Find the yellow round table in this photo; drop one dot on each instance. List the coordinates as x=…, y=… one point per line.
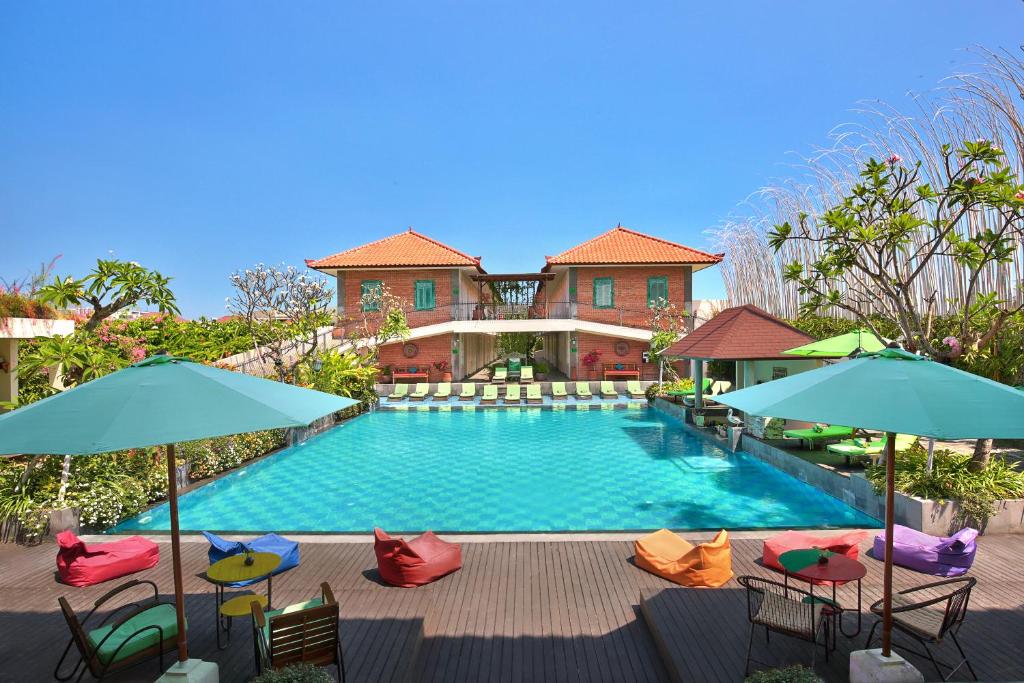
x=241, y=605
x=231, y=570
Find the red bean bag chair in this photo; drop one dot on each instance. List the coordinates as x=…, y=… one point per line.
x=843, y=544
x=85, y=565
x=416, y=562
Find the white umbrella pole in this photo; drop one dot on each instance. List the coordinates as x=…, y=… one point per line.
x=890, y=500
x=179, y=589
x=931, y=456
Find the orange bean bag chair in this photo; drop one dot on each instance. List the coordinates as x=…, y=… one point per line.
x=412, y=563
x=843, y=544
x=666, y=554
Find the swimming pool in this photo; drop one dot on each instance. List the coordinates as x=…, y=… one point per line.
x=504, y=470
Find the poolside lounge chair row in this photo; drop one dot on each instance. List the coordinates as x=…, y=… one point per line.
x=500, y=375
x=513, y=392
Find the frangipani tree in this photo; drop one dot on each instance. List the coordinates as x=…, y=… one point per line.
x=871, y=249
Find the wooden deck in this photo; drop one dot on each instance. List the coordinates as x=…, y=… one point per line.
x=520, y=611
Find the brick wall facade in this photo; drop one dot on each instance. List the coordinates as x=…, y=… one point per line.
x=585, y=343
x=630, y=292
x=429, y=351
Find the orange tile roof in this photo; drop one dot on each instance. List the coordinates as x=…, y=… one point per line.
x=622, y=245
x=741, y=333
x=407, y=249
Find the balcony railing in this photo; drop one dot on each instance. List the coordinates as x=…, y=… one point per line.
x=540, y=310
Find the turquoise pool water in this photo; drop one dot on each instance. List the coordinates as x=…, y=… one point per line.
x=505, y=470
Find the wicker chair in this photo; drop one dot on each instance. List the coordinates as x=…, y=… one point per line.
x=929, y=617
x=783, y=609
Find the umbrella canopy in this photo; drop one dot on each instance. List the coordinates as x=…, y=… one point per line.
x=160, y=400
x=893, y=391
x=157, y=401
x=858, y=341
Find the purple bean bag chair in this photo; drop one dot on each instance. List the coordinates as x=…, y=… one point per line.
x=916, y=550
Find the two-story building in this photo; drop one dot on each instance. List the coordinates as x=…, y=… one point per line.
x=594, y=297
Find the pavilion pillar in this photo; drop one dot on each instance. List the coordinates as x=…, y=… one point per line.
x=9, y=373
x=698, y=383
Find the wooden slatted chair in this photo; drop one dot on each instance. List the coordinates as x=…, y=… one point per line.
x=142, y=630
x=306, y=632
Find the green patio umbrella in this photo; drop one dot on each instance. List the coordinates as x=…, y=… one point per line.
x=840, y=346
x=162, y=400
x=892, y=391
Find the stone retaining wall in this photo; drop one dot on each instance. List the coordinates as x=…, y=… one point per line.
x=939, y=518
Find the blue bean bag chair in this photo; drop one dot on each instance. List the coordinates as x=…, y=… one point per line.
x=271, y=543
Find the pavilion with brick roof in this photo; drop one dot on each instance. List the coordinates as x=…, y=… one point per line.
x=751, y=338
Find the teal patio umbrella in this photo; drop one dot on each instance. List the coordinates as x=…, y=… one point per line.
x=891, y=391
x=162, y=400
x=840, y=346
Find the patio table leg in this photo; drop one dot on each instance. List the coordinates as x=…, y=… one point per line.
x=859, y=617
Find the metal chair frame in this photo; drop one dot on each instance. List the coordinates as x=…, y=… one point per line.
x=756, y=588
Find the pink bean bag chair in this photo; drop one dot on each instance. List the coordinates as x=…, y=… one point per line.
x=412, y=563
x=85, y=565
x=843, y=544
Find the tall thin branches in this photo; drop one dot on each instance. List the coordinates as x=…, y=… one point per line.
x=985, y=103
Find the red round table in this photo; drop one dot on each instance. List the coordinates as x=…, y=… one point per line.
x=805, y=565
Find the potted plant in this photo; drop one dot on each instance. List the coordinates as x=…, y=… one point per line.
x=590, y=360
x=385, y=374
x=445, y=369
x=541, y=368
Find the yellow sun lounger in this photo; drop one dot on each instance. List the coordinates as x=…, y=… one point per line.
x=513, y=394
x=608, y=389
x=468, y=391
x=421, y=392
x=444, y=391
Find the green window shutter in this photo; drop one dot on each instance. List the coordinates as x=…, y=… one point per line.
x=423, y=295
x=369, y=288
x=657, y=292
x=604, y=292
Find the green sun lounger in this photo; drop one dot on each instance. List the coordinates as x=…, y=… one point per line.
x=526, y=374
x=444, y=391
x=533, y=394
x=468, y=391
x=583, y=391
x=812, y=435
x=500, y=374
x=634, y=390
x=558, y=391
x=853, y=448
x=513, y=394
x=608, y=389
x=421, y=392
x=490, y=394
x=400, y=392
x=692, y=390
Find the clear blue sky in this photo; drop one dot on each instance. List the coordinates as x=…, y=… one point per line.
x=198, y=137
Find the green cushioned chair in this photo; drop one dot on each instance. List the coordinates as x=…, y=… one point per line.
x=608, y=389
x=400, y=392
x=513, y=394
x=558, y=392
x=634, y=390
x=500, y=374
x=306, y=632
x=813, y=435
x=526, y=374
x=421, y=392
x=468, y=392
x=130, y=634
x=583, y=391
x=490, y=394
x=533, y=394
x=444, y=391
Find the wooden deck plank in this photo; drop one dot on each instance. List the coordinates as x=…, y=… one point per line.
x=523, y=611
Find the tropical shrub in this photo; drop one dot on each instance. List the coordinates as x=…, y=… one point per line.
x=208, y=457
x=790, y=674
x=681, y=384
x=15, y=305
x=952, y=478
x=296, y=673
x=346, y=374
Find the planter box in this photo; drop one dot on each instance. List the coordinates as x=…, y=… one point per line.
x=68, y=519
